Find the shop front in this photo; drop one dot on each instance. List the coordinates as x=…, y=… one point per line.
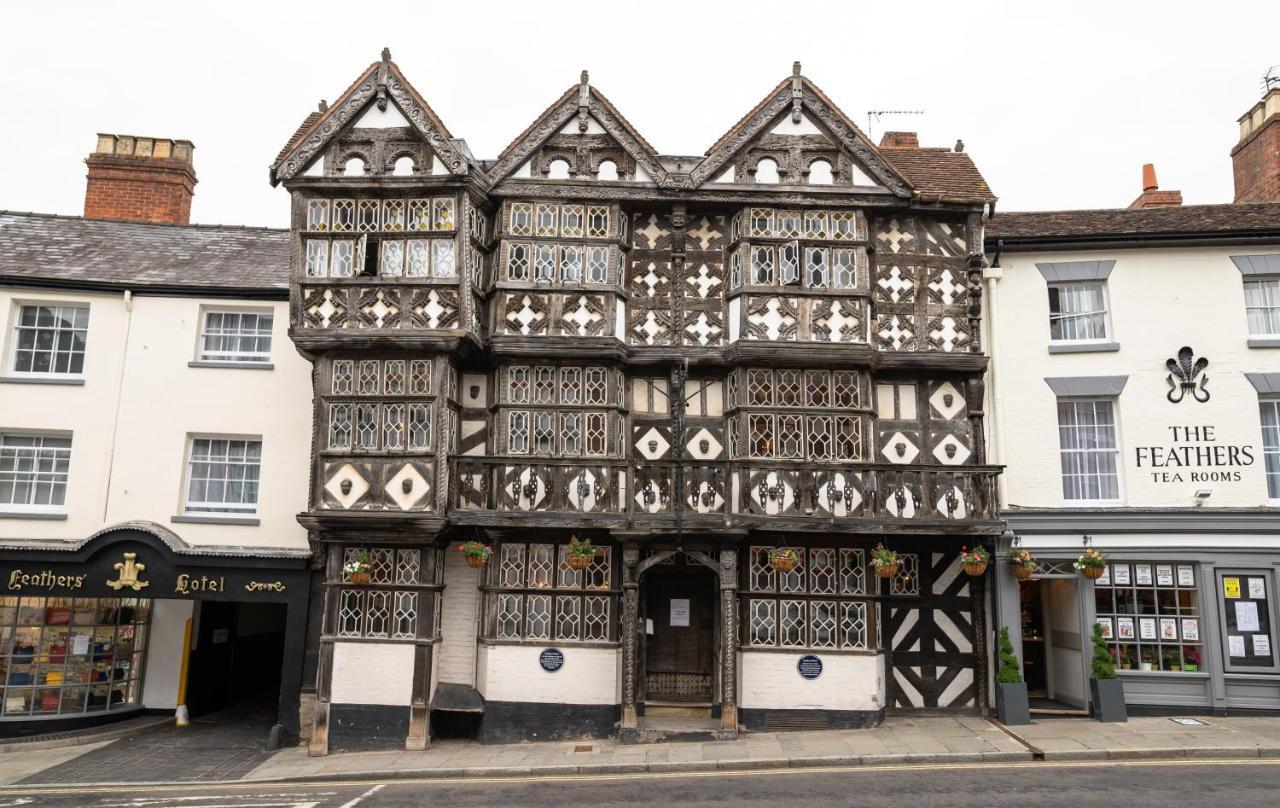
x=134, y=620
x=1189, y=620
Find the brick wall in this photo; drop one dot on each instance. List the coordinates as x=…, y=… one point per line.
x=1255, y=164
x=140, y=180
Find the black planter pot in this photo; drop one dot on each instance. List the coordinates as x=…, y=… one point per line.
x=1107, y=703
x=1012, y=707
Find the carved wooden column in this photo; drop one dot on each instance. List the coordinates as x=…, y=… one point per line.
x=630, y=627
x=980, y=637
x=729, y=639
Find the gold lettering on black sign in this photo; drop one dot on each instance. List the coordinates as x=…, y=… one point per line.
x=263, y=586
x=190, y=584
x=44, y=579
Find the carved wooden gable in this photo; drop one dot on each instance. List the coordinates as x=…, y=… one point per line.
x=379, y=121
x=796, y=136
x=580, y=137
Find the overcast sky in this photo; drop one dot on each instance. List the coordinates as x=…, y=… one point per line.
x=1059, y=109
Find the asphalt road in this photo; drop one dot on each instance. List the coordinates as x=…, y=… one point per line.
x=1034, y=785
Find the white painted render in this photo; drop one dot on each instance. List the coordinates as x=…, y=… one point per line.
x=512, y=673
x=140, y=402
x=164, y=653
x=1159, y=300
x=806, y=126
x=389, y=118
x=455, y=655
x=770, y=680
x=372, y=673
x=571, y=128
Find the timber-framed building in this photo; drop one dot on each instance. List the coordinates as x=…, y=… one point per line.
x=687, y=360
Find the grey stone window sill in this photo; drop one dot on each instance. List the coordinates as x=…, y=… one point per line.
x=1083, y=347
x=201, y=519
x=204, y=363
x=31, y=515
x=1264, y=342
x=72, y=380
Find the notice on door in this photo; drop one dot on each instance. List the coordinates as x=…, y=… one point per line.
x=679, y=611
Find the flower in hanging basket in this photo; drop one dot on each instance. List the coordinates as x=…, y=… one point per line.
x=475, y=553
x=581, y=553
x=784, y=559
x=886, y=561
x=974, y=561
x=1091, y=563
x=1022, y=563
x=358, y=569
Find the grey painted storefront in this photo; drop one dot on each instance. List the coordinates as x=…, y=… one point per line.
x=1131, y=537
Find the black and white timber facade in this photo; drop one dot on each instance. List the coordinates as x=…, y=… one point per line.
x=688, y=361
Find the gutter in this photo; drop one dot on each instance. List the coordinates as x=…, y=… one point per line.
x=156, y=290
x=1131, y=240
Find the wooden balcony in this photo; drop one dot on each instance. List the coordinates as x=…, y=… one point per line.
x=866, y=497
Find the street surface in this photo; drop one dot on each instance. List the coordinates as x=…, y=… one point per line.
x=1238, y=784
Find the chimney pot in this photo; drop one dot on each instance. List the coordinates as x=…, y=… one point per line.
x=1152, y=196
x=1149, y=177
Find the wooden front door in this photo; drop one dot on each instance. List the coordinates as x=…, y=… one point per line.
x=680, y=653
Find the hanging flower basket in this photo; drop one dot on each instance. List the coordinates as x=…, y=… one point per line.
x=358, y=570
x=886, y=561
x=974, y=561
x=581, y=554
x=1022, y=563
x=1022, y=573
x=475, y=553
x=1091, y=564
x=784, y=559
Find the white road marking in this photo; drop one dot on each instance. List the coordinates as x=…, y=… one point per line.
x=354, y=802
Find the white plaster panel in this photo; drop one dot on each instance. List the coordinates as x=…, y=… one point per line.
x=770, y=680
x=641, y=175
x=459, y=621
x=1152, y=541
x=164, y=653
x=372, y=673
x=806, y=126
x=1159, y=300
x=512, y=673
x=389, y=118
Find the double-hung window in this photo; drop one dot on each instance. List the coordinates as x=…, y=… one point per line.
x=1078, y=312
x=1262, y=306
x=49, y=340
x=33, y=472
x=1089, y=449
x=223, y=475
x=1271, y=444
x=235, y=336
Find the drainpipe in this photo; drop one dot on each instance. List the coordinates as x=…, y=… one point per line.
x=115, y=412
x=995, y=417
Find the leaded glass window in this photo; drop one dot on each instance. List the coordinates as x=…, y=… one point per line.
x=539, y=597
x=818, y=604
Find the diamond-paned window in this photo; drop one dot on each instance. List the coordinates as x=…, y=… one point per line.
x=817, y=607
x=539, y=597
x=343, y=377
x=339, y=426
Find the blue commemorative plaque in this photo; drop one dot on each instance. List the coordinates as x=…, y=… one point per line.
x=552, y=660
x=810, y=666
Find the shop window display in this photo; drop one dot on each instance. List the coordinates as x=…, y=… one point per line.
x=1150, y=615
x=71, y=656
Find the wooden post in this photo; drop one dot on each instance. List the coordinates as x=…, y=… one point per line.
x=629, y=628
x=729, y=638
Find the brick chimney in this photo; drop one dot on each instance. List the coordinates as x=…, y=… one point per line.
x=1152, y=196
x=140, y=179
x=1255, y=161
x=899, y=140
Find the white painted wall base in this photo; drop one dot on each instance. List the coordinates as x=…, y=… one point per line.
x=372, y=673
x=512, y=673
x=769, y=680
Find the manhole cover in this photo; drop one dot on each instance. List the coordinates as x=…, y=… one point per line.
x=1189, y=722
x=581, y=748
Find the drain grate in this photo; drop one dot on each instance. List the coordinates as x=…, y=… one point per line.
x=795, y=723
x=1189, y=722
x=583, y=748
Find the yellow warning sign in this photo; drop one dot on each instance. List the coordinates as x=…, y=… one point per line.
x=1231, y=587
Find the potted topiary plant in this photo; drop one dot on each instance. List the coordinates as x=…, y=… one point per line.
x=475, y=553
x=1012, y=705
x=581, y=553
x=359, y=569
x=886, y=561
x=974, y=561
x=1022, y=563
x=784, y=559
x=1091, y=564
x=1107, y=692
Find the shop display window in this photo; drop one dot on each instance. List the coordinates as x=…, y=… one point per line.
x=71, y=656
x=1150, y=614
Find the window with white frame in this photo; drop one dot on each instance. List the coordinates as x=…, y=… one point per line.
x=223, y=475
x=402, y=583
x=536, y=595
x=33, y=471
x=1089, y=449
x=235, y=336
x=820, y=603
x=1078, y=312
x=1271, y=444
x=1262, y=306
x=49, y=339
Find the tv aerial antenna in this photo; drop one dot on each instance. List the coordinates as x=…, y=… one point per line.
x=874, y=116
x=1271, y=78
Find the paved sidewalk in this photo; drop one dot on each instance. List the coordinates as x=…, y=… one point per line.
x=1150, y=737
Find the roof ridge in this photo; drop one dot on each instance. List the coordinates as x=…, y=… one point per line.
x=1162, y=208
x=199, y=225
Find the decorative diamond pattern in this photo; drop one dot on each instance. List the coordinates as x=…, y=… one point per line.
x=900, y=449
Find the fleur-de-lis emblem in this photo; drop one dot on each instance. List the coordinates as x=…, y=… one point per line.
x=1186, y=372
x=128, y=570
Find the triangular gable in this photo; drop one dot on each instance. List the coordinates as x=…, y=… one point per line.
x=381, y=84
x=584, y=104
x=796, y=96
